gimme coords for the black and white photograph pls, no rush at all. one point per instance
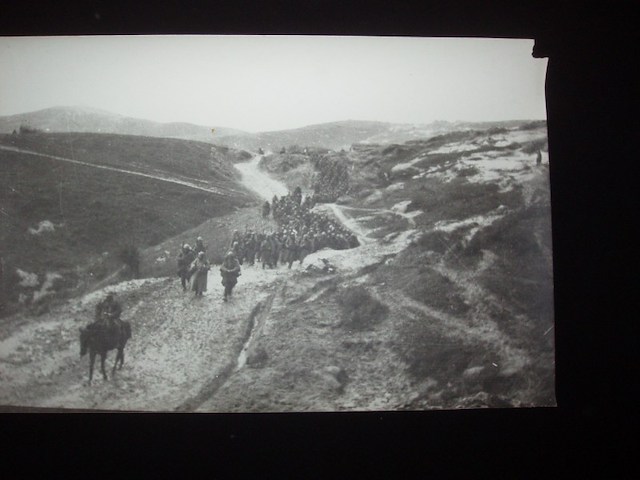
(242, 224)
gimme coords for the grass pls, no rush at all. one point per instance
(96, 213)
(457, 199)
(360, 309)
(179, 158)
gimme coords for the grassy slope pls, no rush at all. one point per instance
(177, 158)
(98, 211)
(444, 273)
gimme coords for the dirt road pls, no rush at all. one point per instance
(217, 190)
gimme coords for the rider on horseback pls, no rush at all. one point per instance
(108, 311)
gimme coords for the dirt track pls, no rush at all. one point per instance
(190, 184)
(277, 346)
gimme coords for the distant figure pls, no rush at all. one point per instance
(283, 150)
(199, 270)
(297, 195)
(539, 158)
(260, 151)
(230, 271)
(200, 247)
(235, 238)
(266, 209)
(15, 132)
(185, 259)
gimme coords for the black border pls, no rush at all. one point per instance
(593, 120)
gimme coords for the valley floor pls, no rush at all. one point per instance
(280, 344)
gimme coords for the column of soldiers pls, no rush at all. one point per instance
(300, 232)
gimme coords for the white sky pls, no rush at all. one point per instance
(259, 83)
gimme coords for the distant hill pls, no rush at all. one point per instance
(82, 119)
(341, 135)
(332, 135)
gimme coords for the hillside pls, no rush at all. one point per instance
(341, 135)
(68, 211)
(82, 119)
(447, 303)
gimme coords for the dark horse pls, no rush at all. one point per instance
(99, 339)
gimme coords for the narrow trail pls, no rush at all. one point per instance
(350, 223)
(260, 182)
(224, 191)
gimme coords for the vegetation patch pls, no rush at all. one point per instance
(360, 309)
(436, 290)
(458, 199)
(96, 212)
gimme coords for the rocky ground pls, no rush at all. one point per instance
(458, 317)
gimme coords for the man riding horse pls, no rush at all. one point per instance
(106, 333)
(108, 311)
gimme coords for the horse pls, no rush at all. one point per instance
(99, 339)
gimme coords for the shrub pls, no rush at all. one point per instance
(535, 145)
(130, 256)
(360, 309)
(533, 125)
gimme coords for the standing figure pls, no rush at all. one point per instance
(230, 271)
(266, 252)
(266, 209)
(236, 237)
(291, 249)
(297, 195)
(237, 250)
(200, 247)
(305, 248)
(185, 259)
(539, 158)
(199, 270)
(277, 248)
(250, 248)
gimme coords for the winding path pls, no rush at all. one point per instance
(260, 182)
(209, 189)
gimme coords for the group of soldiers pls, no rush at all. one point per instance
(332, 180)
(193, 266)
(300, 232)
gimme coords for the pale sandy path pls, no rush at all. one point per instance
(260, 182)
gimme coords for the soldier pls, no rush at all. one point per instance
(292, 250)
(250, 248)
(185, 259)
(305, 248)
(297, 196)
(539, 158)
(108, 311)
(199, 270)
(284, 250)
(200, 247)
(235, 238)
(259, 239)
(230, 271)
(266, 209)
(277, 247)
(237, 251)
(266, 252)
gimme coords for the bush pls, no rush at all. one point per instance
(360, 309)
(130, 256)
(535, 145)
(533, 125)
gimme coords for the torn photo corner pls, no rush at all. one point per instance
(274, 223)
